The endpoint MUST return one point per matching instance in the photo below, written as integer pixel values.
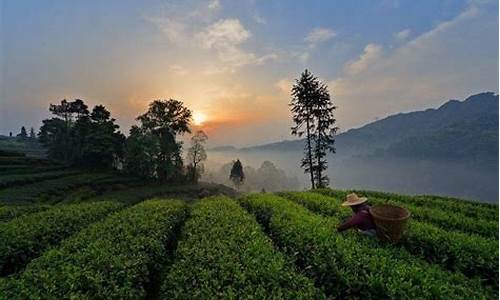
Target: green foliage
(313, 114)
(112, 259)
(224, 253)
(141, 153)
(81, 139)
(466, 208)
(160, 125)
(14, 146)
(24, 238)
(353, 265)
(446, 219)
(20, 179)
(46, 191)
(470, 254)
(9, 212)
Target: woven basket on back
(391, 221)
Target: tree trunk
(309, 154)
(318, 156)
(195, 171)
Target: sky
(233, 62)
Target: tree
(165, 119)
(141, 151)
(32, 133)
(78, 138)
(303, 93)
(23, 134)
(237, 176)
(196, 155)
(53, 136)
(323, 112)
(313, 115)
(102, 143)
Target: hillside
(456, 130)
(67, 233)
(169, 248)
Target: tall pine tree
(313, 115)
(323, 113)
(303, 93)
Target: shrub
(44, 190)
(224, 254)
(472, 255)
(9, 212)
(24, 238)
(352, 265)
(112, 259)
(19, 179)
(444, 219)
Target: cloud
(259, 19)
(178, 70)
(370, 54)
(284, 85)
(194, 30)
(402, 35)
(214, 4)
(224, 33)
(442, 63)
(319, 35)
(225, 37)
(174, 30)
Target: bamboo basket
(391, 221)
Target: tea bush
(24, 238)
(446, 219)
(472, 255)
(9, 212)
(352, 265)
(112, 259)
(225, 254)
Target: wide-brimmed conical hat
(353, 199)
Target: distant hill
(456, 130)
(29, 147)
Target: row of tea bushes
(25, 237)
(115, 258)
(352, 265)
(477, 210)
(9, 212)
(20, 179)
(445, 219)
(224, 254)
(472, 255)
(37, 192)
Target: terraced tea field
(280, 246)
(130, 242)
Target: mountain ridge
(476, 118)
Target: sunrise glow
(199, 118)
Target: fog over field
(406, 176)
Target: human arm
(352, 222)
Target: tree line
(91, 139)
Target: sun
(199, 118)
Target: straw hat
(353, 199)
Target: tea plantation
(70, 234)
